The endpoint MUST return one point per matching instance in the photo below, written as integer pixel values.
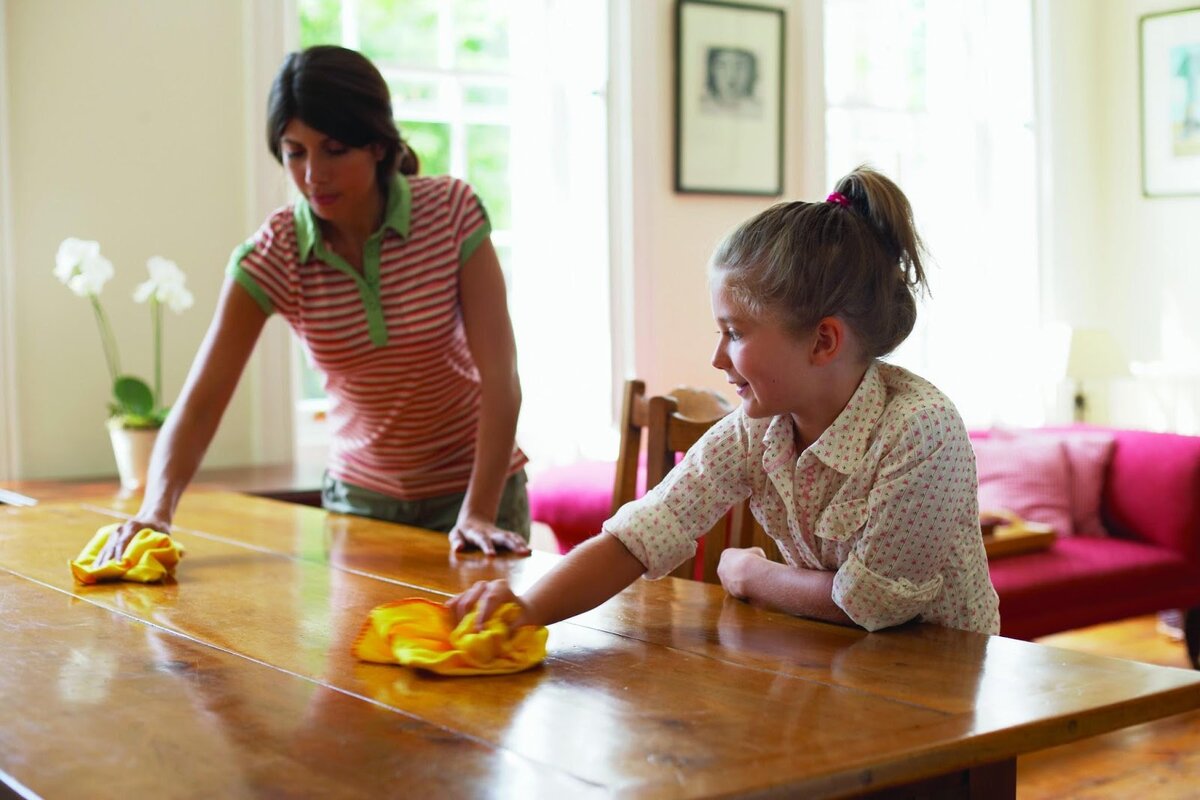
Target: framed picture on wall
(1170, 77)
(729, 62)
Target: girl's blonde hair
(856, 256)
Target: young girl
(860, 471)
(391, 282)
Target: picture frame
(729, 89)
(1169, 70)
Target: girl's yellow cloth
(150, 556)
(421, 633)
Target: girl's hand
(114, 548)
(487, 597)
(477, 532)
(736, 567)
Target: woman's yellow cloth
(150, 556)
(421, 633)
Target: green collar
(396, 216)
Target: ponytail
(857, 256)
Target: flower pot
(132, 448)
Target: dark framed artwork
(1169, 63)
(729, 68)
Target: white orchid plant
(81, 267)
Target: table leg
(996, 781)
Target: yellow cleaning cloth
(150, 556)
(421, 633)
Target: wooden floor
(1156, 761)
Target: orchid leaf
(133, 396)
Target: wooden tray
(1011, 540)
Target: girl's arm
(748, 575)
(193, 420)
(490, 339)
(592, 573)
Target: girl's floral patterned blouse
(886, 497)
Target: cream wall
(125, 125)
(674, 234)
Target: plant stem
(156, 316)
(107, 340)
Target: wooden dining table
(236, 679)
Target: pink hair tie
(838, 198)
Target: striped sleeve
(468, 219)
(265, 265)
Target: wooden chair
(670, 424)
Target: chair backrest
(672, 424)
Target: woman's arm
(490, 339)
(592, 573)
(748, 575)
(193, 420)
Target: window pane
(310, 379)
(486, 96)
(320, 22)
(412, 96)
(481, 28)
(399, 32)
(487, 171)
(431, 142)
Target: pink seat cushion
(574, 500)
(1026, 475)
(1081, 580)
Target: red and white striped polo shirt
(403, 389)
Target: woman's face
(337, 180)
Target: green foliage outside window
(320, 22)
(487, 171)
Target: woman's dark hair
(341, 94)
(858, 258)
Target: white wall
(127, 123)
(674, 234)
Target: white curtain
(559, 286)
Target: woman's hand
(736, 567)
(487, 597)
(472, 531)
(114, 548)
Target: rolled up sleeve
(661, 529)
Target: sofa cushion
(1079, 581)
(1089, 451)
(1153, 490)
(1029, 476)
(1088, 454)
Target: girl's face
(337, 180)
(767, 363)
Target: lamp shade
(1093, 354)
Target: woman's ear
(378, 151)
(829, 340)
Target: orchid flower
(166, 285)
(82, 269)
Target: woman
(392, 284)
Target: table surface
(237, 680)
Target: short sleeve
(265, 264)
(468, 219)
(923, 502)
(661, 528)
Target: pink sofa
(1150, 504)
